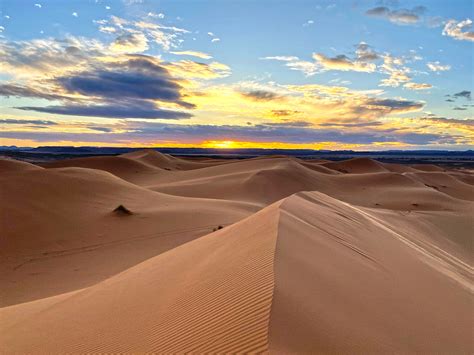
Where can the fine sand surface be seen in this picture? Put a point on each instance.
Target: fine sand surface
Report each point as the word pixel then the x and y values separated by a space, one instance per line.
pixel 146 252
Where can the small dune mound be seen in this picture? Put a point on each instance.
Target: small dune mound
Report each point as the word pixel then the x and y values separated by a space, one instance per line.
pixel 356 166
pixel 427 167
pixel 121 210
pixel 151 157
pixel 127 169
pixel 10 165
pixel 160 160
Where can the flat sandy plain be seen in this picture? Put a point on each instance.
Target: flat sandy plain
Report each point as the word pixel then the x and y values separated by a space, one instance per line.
pixel 145 252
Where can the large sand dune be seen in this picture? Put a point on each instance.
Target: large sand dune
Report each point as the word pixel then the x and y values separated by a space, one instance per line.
pixel 146 252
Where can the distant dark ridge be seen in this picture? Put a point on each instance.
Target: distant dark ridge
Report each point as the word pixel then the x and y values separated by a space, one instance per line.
pixel 439 157
pixel 239 151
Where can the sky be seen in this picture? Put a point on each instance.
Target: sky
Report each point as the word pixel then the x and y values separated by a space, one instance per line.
pixel 348 74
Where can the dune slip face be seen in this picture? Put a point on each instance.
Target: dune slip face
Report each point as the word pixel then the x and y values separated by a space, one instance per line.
pixel 146 252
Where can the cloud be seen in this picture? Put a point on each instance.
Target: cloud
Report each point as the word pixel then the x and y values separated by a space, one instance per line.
pixel 193 54
pixel 214 37
pixel 465 94
pixel 281 58
pixel 365 53
pixel 469 122
pixel 437 66
pixel 39 6
pixel 191 69
pixel 398 72
pixel 395 105
pixel 459 30
pixel 107 29
pixel 125 89
pixel 130 43
pixel 361 62
pixel 308 23
pixel 288 123
pixel 155 15
pixel 352 125
pixel 279 113
pixel 342 62
pixel 46 56
pixel 261 95
pixel 289 132
pixel 139 77
pixel 113 110
pixel 27 121
pixel 100 129
pixel 165 36
pixel 418 86
pixel 8 90
pixel 75 14
pixel 400 17
pixel 294 63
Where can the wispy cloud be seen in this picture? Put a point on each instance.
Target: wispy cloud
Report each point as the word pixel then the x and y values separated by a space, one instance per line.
pixel 399 16
pixel 342 62
pixel 459 30
pixel 417 86
pixel 261 95
pixel 437 66
pixel 14 121
pixel 130 43
pixel 196 54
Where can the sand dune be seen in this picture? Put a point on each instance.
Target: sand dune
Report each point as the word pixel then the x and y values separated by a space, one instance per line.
pixel 10 165
pixel 146 252
pixel 56 222
pixel 265 181
pixel 166 161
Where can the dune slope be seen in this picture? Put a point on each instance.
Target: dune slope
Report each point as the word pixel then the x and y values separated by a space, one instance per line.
pixel 306 274
pixel 60 231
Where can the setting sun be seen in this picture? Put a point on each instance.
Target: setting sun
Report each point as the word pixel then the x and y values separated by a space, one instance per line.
pixel 220 144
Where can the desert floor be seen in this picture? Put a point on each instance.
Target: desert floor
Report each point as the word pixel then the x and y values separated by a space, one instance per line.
pixel 146 252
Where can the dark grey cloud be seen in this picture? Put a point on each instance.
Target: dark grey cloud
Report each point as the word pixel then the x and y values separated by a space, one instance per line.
pixel 365 53
pixel 465 94
pixel 288 123
pixel 261 95
pixel 281 133
pixel 465 122
pixel 113 110
pixel 154 131
pixel 128 89
pixel 388 106
pixel 100 129
pixel 395 104
pixel 400 16
pixel 25 91
pixel 352 125
pixel 459 108
pixel 30 122
pixel 138 78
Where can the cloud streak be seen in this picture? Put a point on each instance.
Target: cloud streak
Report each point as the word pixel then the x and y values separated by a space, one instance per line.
pixel 400 17
pixel 459 30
